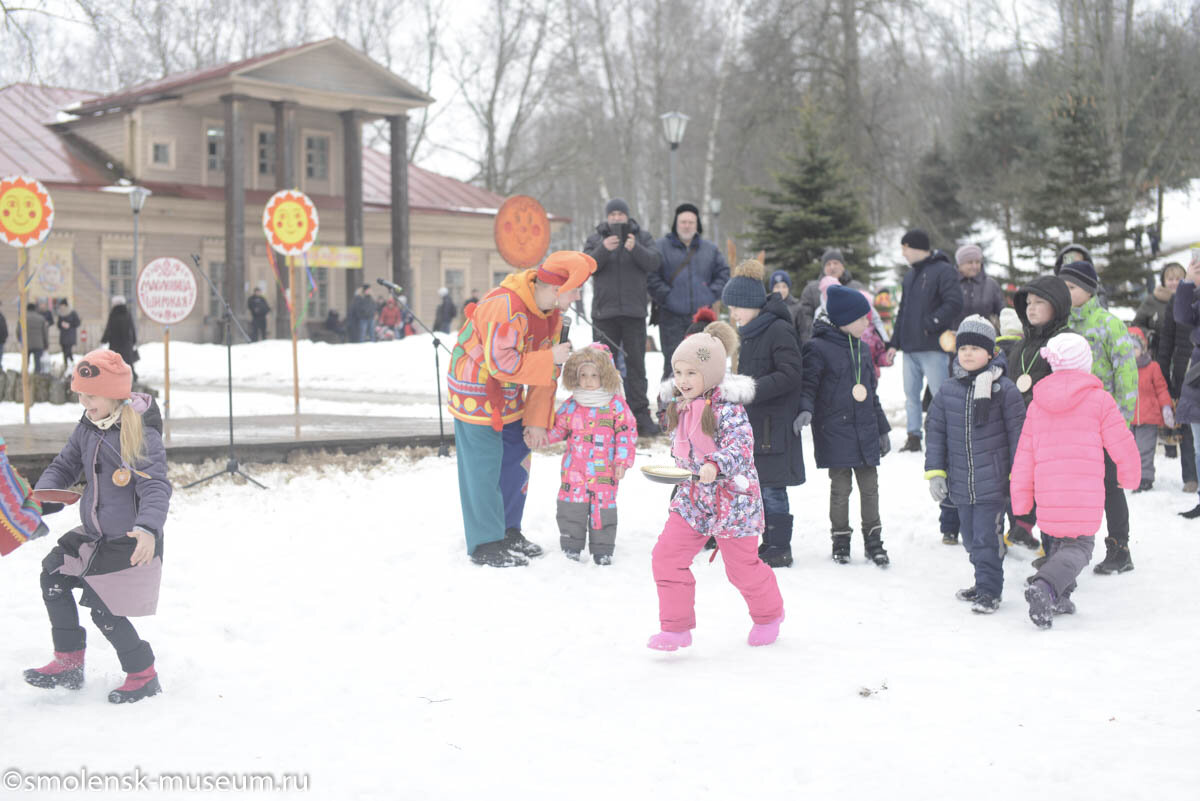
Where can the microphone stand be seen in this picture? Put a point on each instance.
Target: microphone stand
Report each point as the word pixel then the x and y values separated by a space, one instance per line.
pixel 228 320
pixel 443 448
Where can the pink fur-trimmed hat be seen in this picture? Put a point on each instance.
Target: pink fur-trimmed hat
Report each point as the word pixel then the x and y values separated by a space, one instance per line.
pixel 1068 352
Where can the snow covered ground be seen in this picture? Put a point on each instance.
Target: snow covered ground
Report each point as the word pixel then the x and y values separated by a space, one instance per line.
pixel 332 626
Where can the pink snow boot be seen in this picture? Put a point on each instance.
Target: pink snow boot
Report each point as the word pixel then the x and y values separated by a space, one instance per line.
pixel 65 670
pixel 670 640
pixel 137 686
pixel 765 633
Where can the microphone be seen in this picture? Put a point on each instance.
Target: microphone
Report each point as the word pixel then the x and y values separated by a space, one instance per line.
pixel 394 287
pixel 566 330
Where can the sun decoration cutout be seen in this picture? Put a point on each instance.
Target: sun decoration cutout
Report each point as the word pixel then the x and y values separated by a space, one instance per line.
pixel 26 212
pixel 522 231
pixel 290 222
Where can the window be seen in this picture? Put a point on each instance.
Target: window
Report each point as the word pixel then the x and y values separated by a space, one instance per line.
pixel 161 154
pixel 316 157
pixel 265 149
pixel 120 278
pixel 214 147
pixel 216 274
pixel 320 301
pixel 456 282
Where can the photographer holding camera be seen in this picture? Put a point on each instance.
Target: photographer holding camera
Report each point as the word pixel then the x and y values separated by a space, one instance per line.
pixel 625 255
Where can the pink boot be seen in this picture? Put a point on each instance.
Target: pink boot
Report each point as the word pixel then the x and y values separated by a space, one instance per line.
pixel 137 686
pixel 672 640
pixel 765 633
pixel 65 670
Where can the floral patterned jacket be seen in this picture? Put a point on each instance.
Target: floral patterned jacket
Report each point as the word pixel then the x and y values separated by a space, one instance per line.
pixel 598 440
pixel 732 505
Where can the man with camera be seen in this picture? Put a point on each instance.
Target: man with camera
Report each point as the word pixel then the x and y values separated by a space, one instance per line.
pixel 625 255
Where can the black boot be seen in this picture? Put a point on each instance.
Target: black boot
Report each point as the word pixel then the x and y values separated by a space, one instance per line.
pixel 494 554
pixel 515 541
pixel 1117 560
pixel 778 538
pixel 913 443
pixel 841 547
pixel 1192 513
pixel 873 545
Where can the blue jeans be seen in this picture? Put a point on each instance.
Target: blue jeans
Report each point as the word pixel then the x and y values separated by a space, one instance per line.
pixel 1195 428
pixel 366 330
pixel 931 366
pixel 775 501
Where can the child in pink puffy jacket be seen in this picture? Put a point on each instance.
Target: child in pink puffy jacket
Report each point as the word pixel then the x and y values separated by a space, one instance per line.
pixel 1070 423
pixel 601 436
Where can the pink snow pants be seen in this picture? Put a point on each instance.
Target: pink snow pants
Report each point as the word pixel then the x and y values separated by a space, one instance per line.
pixel 671 562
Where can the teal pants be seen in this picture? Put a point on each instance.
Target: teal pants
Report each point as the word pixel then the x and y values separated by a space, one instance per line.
pixel 493 479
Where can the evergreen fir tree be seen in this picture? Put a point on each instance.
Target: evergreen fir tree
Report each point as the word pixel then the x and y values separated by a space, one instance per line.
pixel 816 207
pixel 938 207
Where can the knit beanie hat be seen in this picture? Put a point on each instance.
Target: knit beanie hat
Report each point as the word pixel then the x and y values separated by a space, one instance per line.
pixel 1068 351
pixel 1082 274
pixel 968 253
pixel 1010 323
pixel 833 254
pixel 616 204
pixel 843 306
pixel 1134 331
pixel 103 373
pixel 824 284
pixel 704 352
pixel 780 275
pixel 744 292
pixel 916 238
pixel 1061 256
pixel 680 209
pixel 976 330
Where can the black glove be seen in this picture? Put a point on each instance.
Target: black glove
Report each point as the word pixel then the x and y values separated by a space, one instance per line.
pixel 885 445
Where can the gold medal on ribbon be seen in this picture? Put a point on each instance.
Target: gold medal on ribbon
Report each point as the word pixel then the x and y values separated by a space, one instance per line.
pixel 121 476
pixel 859 392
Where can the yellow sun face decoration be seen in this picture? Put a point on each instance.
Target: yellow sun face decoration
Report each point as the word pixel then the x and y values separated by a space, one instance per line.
pixel 26 213
pixel 290 222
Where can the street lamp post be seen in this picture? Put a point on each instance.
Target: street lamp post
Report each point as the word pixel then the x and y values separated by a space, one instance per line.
pixel 137 199
pixel 674 124
pixel 714 205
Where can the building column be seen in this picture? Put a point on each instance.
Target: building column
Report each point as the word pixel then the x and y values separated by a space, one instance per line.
pixel 353 171
pixel 401 268
pixel 285 178
pixel 233 287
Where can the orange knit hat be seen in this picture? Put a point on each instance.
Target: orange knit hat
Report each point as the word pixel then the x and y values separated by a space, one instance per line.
pixel 103 373
pixel 566 269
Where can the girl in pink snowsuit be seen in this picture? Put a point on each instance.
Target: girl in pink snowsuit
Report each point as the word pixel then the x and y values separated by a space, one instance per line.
pixel 1070 423
pixel 601 434
pixel 713 440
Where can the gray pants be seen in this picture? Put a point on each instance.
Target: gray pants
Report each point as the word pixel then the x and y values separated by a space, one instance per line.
pixel 573 529
pixel 1147 442
pixel 839 498
pixel 1066 558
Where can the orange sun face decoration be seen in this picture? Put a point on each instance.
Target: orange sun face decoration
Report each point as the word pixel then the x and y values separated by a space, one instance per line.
pixel 522 231
pixel 290 222
pixel 26 212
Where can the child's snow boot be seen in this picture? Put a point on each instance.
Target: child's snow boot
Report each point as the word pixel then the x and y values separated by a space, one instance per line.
pixel 1040 596
pixel 1145 485
pixel 765 633
pixel 515 541
pixel 969 594
pixel 670 640
pixel 841 547
pixel 1019 535
pixel 778 538
pixel 1117 560
pixel 873 544
pixel 137 686
pixel 65 670
pixel 1064 606
pixel 949 538
pixel 985 604
pixel 602 559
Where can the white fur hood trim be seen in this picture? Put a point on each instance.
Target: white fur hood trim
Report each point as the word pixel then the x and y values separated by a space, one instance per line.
pixel 734 389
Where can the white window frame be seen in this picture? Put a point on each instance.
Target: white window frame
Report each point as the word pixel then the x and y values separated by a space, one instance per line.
pixel 325 183
pixel 264 180
pixel 204 127
pixel 169 143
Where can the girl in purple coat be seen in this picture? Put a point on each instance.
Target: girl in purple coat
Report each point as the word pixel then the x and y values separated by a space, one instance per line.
pixel 712 440
pixel 115 556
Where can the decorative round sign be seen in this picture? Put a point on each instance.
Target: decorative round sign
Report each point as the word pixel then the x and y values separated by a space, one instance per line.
pixel 522 231
pixel 26 212
pixel 166 291
pixel 290 222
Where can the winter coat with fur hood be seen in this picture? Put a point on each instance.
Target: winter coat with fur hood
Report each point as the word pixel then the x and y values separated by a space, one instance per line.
pixel 599 438
pixel 731 506
pixel 1072 421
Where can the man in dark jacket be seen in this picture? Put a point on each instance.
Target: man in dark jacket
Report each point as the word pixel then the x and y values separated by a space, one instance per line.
pixel 770 354
pixel 1172 353
pixel 259 309
pixel 981 294
pixel 692 274
pixel 832 263
pixel 362 313
pixel 1187 314
pixel 625 255
pixel 930 304
pixel 68 328
pixel 443 318
pixel 3 331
